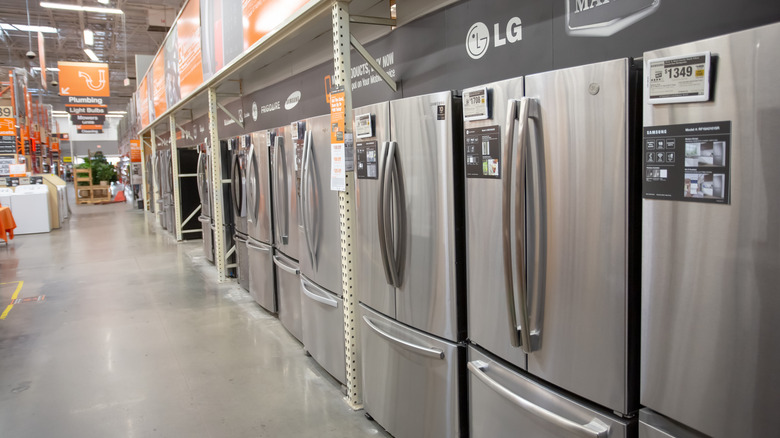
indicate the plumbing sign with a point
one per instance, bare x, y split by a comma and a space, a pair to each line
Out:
83, 79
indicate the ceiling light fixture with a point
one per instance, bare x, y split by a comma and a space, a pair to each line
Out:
117, 112
47, 68
91, 55
81, 8
119, 116
26, 28
89, 37
103, 2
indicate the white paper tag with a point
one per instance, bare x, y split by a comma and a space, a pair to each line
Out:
294, 130
363, 127
338, 178
678, 79
475, 104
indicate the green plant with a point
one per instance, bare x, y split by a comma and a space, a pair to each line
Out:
102, 170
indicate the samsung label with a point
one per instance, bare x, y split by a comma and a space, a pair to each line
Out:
292, 100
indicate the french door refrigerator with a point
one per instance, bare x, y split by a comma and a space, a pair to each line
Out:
409, 263
204, 192
284, 187
711, 250
551, 219
259, 225
322, 307
189, 192
238, 169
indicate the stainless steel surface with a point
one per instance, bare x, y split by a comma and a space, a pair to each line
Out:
710, 272
288, 289
502, 401
259, 189
261, 275
203, 183
410, 394
242, 259
581, 298
393, 216
323, 328
208, 238
238, 166
427, 296
488, 315
384, 215
370, 281
654, 425
434, 353
319, 211
285, 193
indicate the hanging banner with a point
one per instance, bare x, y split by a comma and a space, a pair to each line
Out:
88, 119
84, 79
158, 85
142, 101
171, 56
262, 16
135, 151
89, 129
42, 56
188, 33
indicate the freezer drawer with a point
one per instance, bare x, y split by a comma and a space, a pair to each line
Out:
242, 253
323, 328
410, 379
654, 425
502, 401
208, 239
261, 274
289, 289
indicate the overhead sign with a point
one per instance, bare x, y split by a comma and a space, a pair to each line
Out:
7, 130
135, 151
188, 32
88, 119
86, 105
158, 84
84, 79
89, 129
262, 16
142, 100
42, 56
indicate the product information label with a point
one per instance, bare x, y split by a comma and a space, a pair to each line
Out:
688, 163
678, 79
338, 178
363, 126
483, 152
475, 104
367, 160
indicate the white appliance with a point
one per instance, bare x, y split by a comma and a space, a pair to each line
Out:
5, 196
30, 207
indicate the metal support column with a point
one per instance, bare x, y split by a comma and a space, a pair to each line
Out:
176, 185
216, 188
341, 68
144, 188
155, 170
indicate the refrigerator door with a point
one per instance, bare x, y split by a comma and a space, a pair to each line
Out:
577, 247
285, 187
203, 182
242, 259
288, 284
259, 189
420, 179
261, 274
371, 282
237, 184
488, 314
320, 234
410, 379
502, 401
323, 328
710, 272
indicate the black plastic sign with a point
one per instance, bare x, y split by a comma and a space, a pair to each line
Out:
688, 162
483, 152
12, 182
367, 160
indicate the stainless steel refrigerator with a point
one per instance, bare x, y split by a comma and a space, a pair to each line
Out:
238, 169
711, 255
552, 215
204, 192
322, 308
259, 225
410, 277
285, 210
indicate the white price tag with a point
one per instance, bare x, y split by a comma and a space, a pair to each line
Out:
678, 79
338, 173
475, 104
363, 126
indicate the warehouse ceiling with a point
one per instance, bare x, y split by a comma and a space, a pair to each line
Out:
67, 42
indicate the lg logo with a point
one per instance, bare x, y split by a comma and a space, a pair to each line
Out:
478, 37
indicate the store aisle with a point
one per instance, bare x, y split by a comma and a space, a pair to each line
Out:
136, 339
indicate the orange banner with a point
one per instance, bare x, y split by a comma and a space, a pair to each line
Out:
84, 79
135, 151
42, 56
188, 33
55, 146
158, 84
337, 115
143, 103
262, 16
8, 127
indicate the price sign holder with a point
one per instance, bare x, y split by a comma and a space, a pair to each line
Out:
678, 79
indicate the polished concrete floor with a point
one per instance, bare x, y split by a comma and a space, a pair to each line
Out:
135, 338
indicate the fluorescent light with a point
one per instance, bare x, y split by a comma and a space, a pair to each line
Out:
103, 2
81, 8
115, 115
26, 28
117, 112
89, 37
91, 55
47, 68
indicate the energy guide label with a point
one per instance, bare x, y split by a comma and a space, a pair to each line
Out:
367, 160
483, 152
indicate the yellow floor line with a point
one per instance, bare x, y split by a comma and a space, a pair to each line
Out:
15, 295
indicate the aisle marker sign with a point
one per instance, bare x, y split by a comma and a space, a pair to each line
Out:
84, 79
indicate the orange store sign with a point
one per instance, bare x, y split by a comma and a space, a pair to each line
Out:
84, 79
262, 16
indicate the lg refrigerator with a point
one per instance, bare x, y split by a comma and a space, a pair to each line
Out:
238, 169
711, 242
409, 263
552, 223
322, 307
284, 169
259, 225
204, 192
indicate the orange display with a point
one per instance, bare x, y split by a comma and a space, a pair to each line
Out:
158, 84
7, 126
143, 103
188, 33
84, 79
135, 151
262, 16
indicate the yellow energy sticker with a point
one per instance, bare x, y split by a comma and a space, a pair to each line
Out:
700, 73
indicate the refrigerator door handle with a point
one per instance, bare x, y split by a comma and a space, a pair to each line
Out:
317, 294
594, 429
285, 267
306, 211
282, 227
235, 186
434, 353
251, 189
399, 195
387, 199
204, 219
382, 214
239, 239
314, 196
249, 244
198, 178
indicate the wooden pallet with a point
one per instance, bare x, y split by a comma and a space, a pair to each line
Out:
89, 193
